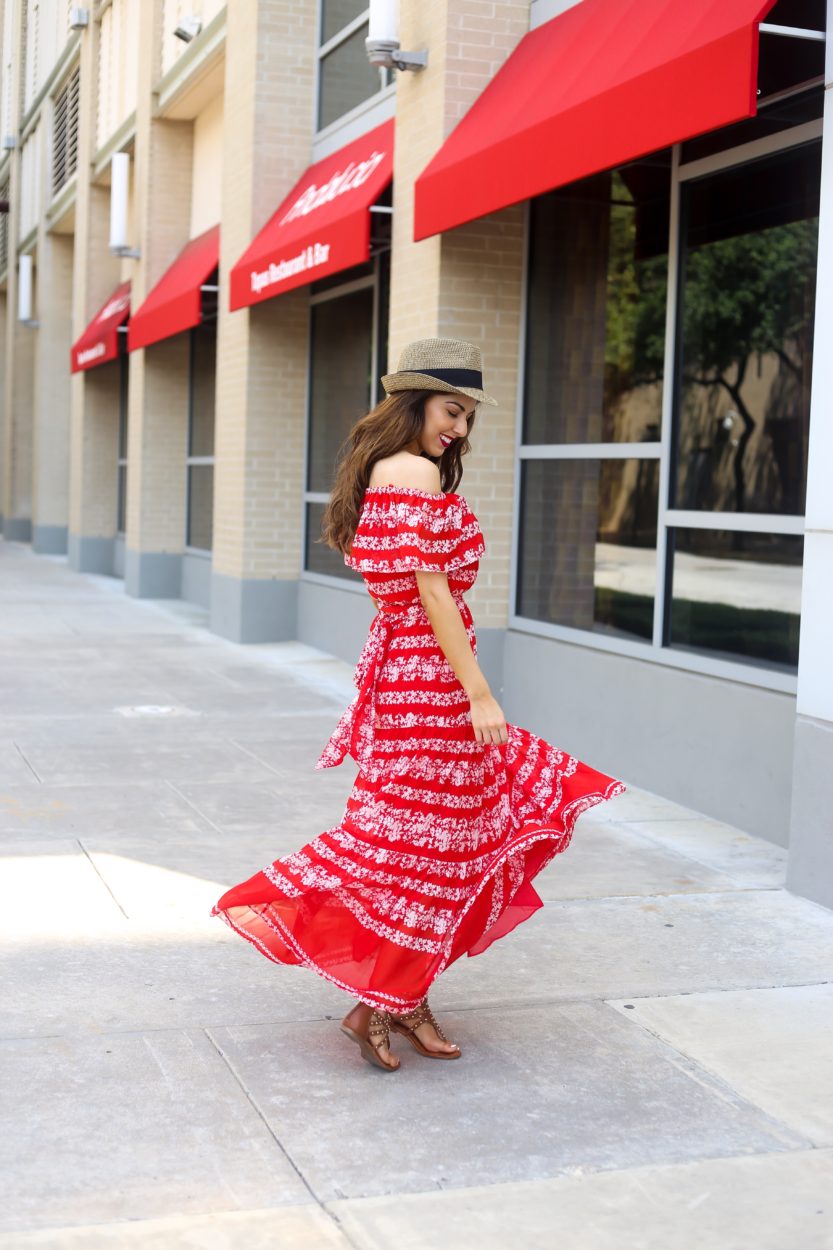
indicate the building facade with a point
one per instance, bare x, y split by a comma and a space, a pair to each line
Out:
222, 225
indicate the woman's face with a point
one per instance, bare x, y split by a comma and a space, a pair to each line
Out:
445, 419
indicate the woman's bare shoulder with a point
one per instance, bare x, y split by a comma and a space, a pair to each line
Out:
403, 469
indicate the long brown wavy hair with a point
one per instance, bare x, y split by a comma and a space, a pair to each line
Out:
384, 431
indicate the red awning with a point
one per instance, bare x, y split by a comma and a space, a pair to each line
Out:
100, 341
601, 84
174, 303
323, 225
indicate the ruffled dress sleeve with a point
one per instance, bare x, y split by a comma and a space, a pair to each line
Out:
404, 530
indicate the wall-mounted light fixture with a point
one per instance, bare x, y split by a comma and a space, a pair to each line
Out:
188, 28
79, 19
24, 290
382, 41
119, 183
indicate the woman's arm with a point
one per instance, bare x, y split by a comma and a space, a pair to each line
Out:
487, 717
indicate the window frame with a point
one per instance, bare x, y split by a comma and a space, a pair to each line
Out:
64, 131
374, 281
322, 51
657, 651
192, 461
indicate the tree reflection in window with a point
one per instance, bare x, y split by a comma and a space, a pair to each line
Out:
748, 293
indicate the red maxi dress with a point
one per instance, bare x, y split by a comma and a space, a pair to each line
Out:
441, 836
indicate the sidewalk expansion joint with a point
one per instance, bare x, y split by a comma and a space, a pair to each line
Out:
102, 879
19, 750
322, 1206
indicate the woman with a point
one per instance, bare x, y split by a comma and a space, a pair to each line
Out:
453, 811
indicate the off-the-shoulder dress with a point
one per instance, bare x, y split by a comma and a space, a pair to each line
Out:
441, 835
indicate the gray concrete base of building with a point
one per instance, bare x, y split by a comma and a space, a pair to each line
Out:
254, 610
152, 574
17, 529
91, 555
49, 540
720, 747
810, 868
196, 579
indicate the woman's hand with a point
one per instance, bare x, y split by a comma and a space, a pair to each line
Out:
487, 719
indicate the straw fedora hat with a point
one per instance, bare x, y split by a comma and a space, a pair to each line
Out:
439, 365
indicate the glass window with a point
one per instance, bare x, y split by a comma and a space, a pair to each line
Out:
596, 308
121, 489
203, 389
348, 339
341, 353
588, 544
336, 14
201, 409
743, 317
737, 595
346, 78
319, 557
748, 277
200, 506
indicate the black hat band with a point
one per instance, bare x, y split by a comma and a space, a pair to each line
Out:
454, 377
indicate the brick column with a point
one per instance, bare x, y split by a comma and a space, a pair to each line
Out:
93, 394
158, 394
17, 452
51, 413
16, 455
466, 284
262, 352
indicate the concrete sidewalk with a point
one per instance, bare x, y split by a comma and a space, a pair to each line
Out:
647, 1061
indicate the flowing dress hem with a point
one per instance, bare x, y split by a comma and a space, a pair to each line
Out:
528, 836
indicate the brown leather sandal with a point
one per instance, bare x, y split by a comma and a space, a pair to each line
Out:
378, 1027
410, 1022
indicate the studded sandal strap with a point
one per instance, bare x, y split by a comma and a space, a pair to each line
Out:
379, 1026
433, 1020
421, 1015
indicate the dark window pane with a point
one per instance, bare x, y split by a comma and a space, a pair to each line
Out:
785, 63
770, 119
124, 376
344, 275
203, 387
588, 544
737, 596
340, 383
200, 505
319, 557
596, 308
121, 503
346, 78
336, 14
748, 293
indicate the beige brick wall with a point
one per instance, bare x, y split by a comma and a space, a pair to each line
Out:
51, 414
262, 353
156, 447
158, 394
94, 443
96, 273
481, 284
20, 397
465, 284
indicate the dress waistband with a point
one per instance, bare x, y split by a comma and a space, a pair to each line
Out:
413, 607
354, 733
